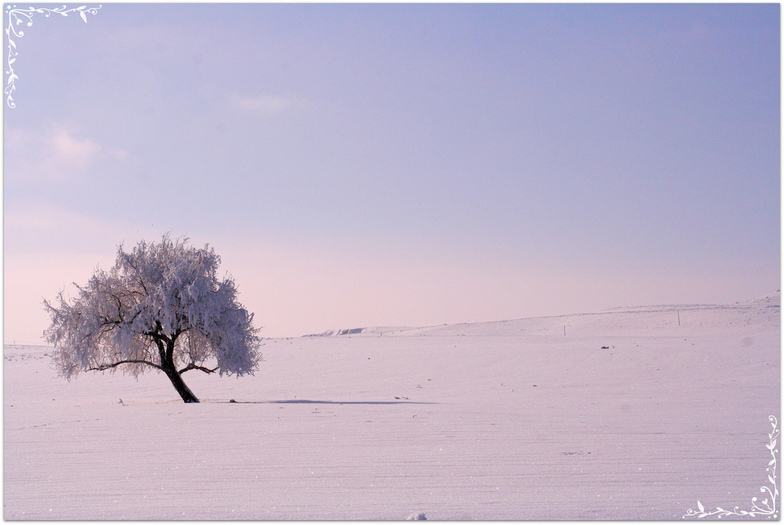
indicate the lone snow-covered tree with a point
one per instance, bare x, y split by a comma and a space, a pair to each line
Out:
161, 307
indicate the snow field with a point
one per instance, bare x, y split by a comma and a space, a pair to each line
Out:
481, 421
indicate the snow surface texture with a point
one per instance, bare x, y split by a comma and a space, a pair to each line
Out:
628, 416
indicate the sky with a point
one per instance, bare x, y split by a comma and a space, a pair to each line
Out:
400, 164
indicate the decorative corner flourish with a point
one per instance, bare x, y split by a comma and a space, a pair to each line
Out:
17, 16
764, 508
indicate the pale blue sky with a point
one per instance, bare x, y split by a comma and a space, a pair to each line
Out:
408, 164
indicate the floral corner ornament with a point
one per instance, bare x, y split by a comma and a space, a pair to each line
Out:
17, 16
764, 508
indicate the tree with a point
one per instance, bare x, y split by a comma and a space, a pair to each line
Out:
161, 307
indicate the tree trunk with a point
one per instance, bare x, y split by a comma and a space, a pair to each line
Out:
181, 387
167, 365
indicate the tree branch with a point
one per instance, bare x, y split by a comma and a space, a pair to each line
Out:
103, 367
193, 366
119, 307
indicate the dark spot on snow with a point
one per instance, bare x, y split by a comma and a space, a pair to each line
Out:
232, 400
350, 331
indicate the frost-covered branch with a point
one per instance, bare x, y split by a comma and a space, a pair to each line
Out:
107, 366
193, 366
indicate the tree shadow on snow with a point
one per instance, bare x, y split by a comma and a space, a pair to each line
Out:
328, 402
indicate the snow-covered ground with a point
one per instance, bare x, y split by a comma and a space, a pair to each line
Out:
633, 413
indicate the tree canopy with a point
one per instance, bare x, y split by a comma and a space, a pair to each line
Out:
162, 307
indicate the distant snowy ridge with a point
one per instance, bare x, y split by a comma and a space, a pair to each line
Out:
756, 314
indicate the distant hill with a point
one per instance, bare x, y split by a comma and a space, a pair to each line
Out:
759, 314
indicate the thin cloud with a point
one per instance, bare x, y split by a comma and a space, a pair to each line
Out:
265, 104
56, 155
72, 151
